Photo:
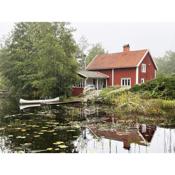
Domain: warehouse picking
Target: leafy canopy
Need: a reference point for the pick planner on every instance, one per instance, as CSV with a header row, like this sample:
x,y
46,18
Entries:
x,y
96,49
38,59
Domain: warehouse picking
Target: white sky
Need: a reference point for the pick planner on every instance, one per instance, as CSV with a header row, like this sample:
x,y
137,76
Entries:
x,y
157,37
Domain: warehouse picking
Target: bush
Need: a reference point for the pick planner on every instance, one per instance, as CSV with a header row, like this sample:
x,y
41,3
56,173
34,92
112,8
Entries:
x,y
162,87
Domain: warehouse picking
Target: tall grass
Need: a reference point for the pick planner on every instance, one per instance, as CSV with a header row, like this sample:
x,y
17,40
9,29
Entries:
x,y
129,102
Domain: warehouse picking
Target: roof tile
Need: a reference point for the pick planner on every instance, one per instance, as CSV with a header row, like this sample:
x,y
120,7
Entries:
x,y
117,60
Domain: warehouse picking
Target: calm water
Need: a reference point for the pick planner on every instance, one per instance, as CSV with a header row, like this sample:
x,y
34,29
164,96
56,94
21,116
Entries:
x,y
80,129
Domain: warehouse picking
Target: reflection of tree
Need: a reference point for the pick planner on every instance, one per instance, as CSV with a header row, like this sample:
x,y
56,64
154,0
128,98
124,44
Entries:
x,y
8,106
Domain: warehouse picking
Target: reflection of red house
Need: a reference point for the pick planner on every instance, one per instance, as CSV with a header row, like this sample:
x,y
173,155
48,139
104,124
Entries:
x,y
127,137
125,68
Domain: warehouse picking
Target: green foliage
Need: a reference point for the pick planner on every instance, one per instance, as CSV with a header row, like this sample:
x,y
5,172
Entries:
x,y
38,59
162,87
108,95
166,64
126,102
96,49
81,52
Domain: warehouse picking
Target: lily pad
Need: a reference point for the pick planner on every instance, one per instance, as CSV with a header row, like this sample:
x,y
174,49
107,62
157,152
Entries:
x,y
36,136
77,126
23,130
40,133
43,130
50,131
1,129
54,133
18,128
49,149
27,144
63,146
44,127
58,143
35,126
70,130
21,137
75,137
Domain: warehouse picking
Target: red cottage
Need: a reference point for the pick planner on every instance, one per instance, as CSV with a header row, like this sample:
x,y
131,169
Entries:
x,y
124,69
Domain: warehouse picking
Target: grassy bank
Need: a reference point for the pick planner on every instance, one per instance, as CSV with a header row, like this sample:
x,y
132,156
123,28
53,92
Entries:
x,y
155,98
129,102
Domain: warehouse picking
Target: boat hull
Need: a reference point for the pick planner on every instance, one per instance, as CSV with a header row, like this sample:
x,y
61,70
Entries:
x,y
48,101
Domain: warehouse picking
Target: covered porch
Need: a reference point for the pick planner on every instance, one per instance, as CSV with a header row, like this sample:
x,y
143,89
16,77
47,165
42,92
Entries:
x,y
97,79
94,79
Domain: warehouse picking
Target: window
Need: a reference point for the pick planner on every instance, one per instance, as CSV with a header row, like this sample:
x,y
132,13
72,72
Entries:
x,y
143,68
126,82
142,80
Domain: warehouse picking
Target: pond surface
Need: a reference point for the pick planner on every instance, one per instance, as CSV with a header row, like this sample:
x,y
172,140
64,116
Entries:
x,y
80,129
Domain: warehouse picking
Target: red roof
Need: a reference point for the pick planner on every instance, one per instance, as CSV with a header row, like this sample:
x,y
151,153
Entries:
x,y
117,60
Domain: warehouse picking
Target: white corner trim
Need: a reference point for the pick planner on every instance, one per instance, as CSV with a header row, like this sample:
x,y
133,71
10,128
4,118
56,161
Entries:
x,y
91,62
155,74
112,77
137,75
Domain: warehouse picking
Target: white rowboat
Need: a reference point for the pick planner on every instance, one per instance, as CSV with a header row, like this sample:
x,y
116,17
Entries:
x,y
24,106
47,101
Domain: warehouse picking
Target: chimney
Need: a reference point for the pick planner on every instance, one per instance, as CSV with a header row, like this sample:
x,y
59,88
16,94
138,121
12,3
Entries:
x,y
126,48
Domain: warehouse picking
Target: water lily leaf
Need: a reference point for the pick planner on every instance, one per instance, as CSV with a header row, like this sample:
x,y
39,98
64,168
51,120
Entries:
x,y
21,137
18,128
43,130
49,149
54,133
77,126
40,133
35,126
63,146
27,144
70,130
58,143
44,127
1,129
75,136
36,136
23,130
51,131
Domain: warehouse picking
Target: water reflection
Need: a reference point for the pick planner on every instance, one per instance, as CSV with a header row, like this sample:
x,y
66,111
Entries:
x,y
78,129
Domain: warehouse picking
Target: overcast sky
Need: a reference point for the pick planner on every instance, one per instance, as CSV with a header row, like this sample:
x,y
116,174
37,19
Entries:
x,y
157,37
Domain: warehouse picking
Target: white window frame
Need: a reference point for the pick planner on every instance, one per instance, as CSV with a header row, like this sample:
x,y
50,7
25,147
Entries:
x,y
125,82
142,80
143,68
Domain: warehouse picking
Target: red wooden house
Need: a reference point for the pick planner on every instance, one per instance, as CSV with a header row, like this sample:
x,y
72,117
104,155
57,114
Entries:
x,y
124,69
